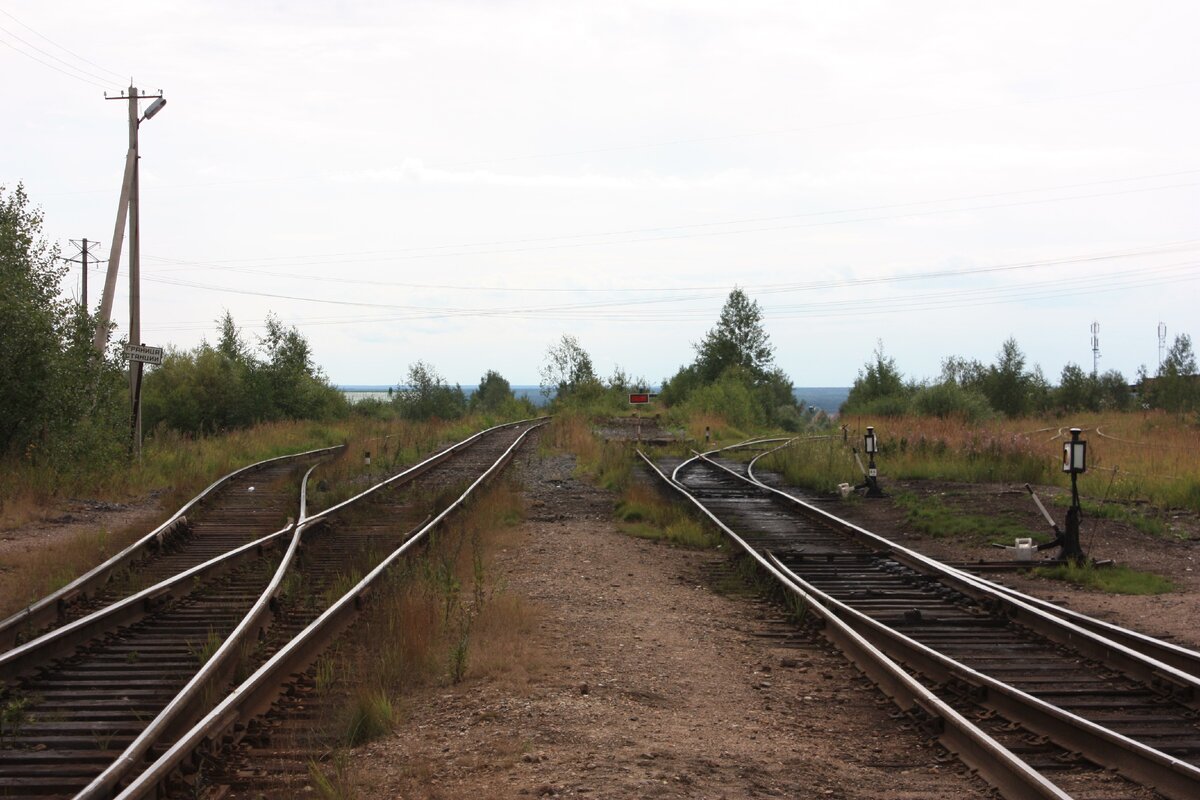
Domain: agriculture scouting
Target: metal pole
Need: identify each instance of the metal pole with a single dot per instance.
(135, 292)
(83, 261)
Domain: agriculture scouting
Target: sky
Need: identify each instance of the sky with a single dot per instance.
(464, 182)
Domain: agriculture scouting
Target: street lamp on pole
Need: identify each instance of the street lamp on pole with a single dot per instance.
(129, 208)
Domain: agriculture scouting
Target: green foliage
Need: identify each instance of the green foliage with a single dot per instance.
(1176, 387)
(427, 396)
(930, 515)
(731, 397)
(879, 389)
(234, 385)
(737, 340)
(1114, 579)
(370, 715)
(59, 400)
(1081, 391)
(645, 514)
(495, 398)
(733, 376)
(948, 400)
(568, 374)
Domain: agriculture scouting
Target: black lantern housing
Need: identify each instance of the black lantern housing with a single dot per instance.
(870, 441)
(1075, 454)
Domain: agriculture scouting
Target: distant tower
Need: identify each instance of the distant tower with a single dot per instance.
(1162, 342)
(1095, 348)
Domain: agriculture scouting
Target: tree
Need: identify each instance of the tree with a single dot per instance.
(494, 393)
(738, 339)
(1177, 387)
(568, 371)
(879, 387)
(1008, 386)
(57, 397)
(428, 396)
(1077, 390)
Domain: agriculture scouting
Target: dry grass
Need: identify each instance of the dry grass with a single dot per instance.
(1143, 456)
(443, 617)
(181, 466)
(32, 574)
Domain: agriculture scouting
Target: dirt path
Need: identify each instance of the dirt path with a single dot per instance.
(650, 684)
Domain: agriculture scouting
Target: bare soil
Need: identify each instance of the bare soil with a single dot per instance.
(652, 684)
(76, 517)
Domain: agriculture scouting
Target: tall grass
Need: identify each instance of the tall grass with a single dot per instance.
(1143, 456)
(608, 464)
(643, 512)
(179, 465)
(442, 617)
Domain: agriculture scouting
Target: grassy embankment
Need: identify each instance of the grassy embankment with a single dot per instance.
(178, 468)
(1144, 458)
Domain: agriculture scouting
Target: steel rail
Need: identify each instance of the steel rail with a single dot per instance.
(217, 666)
(1054, 627)
(31, 655)
(258, 691)
(1141, 763)
(49, 608)
(997, 765)
(1182, 658)
(185, 704)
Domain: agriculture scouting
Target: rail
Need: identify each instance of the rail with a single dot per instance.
(48, 609)
(257, 692)
(1178, 658)
(1002, 769)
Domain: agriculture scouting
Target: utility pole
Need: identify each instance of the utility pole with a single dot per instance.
(128, 208)
(1162, 342)
(84, 258)
(1095, 348)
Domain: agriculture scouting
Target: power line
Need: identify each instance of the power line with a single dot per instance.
(117, 75)
(232, 263)
(583, 308)
(51, 66)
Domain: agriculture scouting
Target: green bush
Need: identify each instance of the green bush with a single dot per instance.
(949, 400)
(233, 385)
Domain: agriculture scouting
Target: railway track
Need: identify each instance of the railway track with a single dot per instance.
(80, 725)
(1095, 711)
(244, 505)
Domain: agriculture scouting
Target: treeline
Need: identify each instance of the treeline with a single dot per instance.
(59, 400)
(733, 376)
(235, 384)
(65, 407)
(974, 391)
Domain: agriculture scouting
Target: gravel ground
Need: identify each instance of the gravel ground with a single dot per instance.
(651, 684)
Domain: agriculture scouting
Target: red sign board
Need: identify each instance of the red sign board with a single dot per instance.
(639, 399)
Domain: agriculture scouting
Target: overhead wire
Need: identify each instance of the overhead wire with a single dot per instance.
(117, 75)
(1139, 275)
(186, 264)
(51, 66)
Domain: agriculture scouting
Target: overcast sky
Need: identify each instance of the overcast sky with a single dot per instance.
(463, 182)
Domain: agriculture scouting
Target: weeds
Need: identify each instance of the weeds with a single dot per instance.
(14, 714)
(338, 783)
(207, 648)
(371, 715)
(1114, 579)
(931, 516)
(644, 513)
